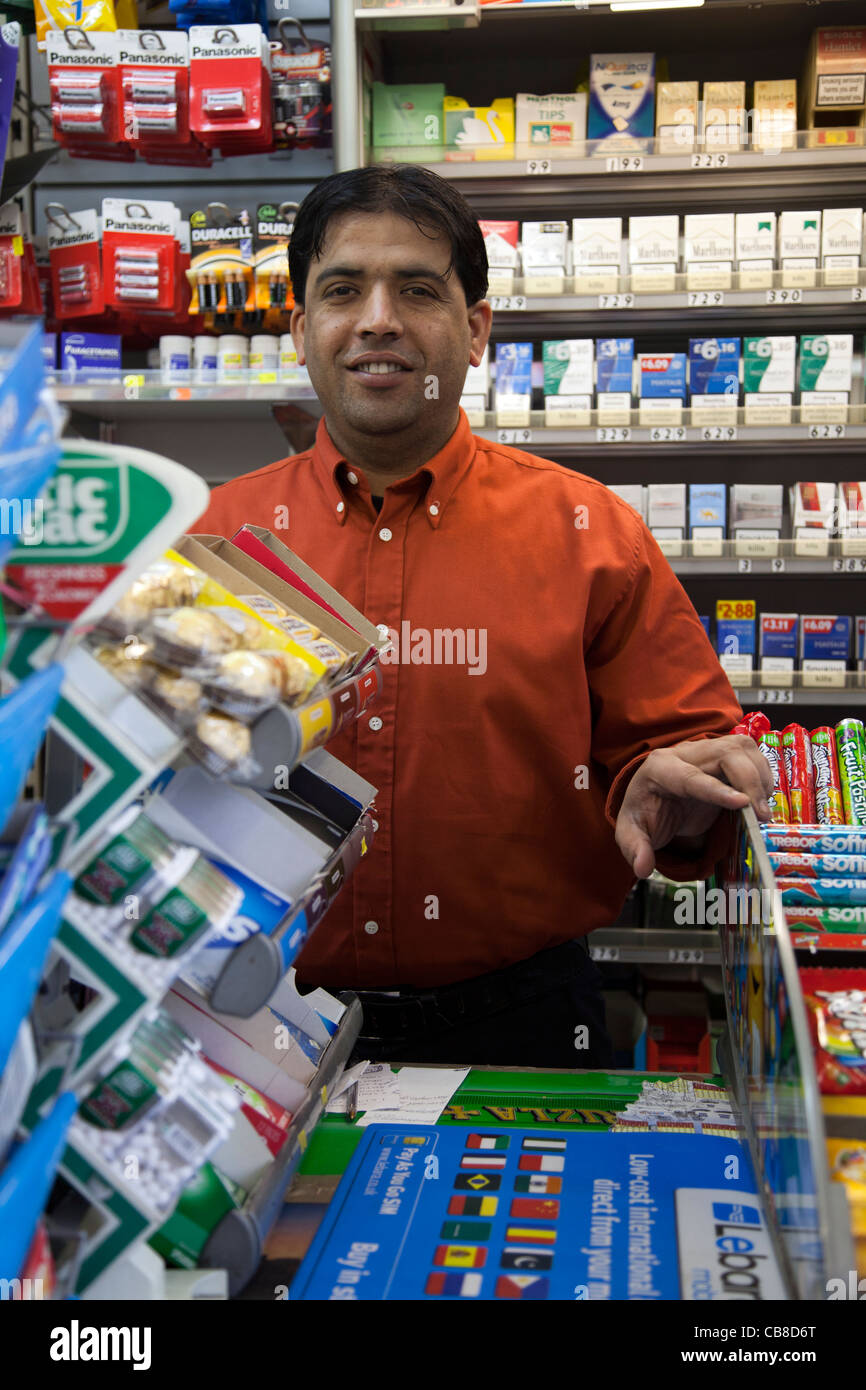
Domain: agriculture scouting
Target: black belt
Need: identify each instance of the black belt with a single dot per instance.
(431, 1011)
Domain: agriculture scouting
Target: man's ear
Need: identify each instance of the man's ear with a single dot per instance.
(480, 322)
(296, 327)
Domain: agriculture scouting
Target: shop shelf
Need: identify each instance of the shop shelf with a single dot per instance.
(844, 559)
(850, 696)
(655, 946)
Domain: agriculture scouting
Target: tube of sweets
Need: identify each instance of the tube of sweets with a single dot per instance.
(851, 751)
(798, 766)
(753, 724)
(770, 745)
(825, 770)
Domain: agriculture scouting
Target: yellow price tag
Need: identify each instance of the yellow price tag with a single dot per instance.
(302, 1140)
(324, 1095)
(728, 610)
(17, 246)
(133, 380)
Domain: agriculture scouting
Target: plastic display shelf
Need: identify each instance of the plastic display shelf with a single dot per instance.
(655, 946)
(850, 696)
(555, 441)
(147, 396)
(844, 559)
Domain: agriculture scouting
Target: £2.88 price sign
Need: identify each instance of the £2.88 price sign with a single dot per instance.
(730, 610)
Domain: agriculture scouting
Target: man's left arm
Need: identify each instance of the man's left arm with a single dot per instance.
(663, 708)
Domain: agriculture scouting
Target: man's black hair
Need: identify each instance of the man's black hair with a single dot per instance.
(417, 194)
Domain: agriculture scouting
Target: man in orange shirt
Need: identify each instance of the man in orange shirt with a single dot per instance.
(553, 721)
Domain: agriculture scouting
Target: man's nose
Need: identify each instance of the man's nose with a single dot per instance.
(380, 312)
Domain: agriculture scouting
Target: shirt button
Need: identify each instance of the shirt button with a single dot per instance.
(341, 506)
(382, 629)
(375, 723)
(375, 825)
(384, 534)
(433, 509)
(353, 477)
(371, 928)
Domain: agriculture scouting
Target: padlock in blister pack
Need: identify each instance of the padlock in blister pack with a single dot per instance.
(154, 79)
(84, 81)
(301, 88)
(76, 262)
(230, 88)
(139, 253)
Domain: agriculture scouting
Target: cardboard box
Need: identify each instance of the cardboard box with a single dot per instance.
(757, 507)
(735, 629)
(597, 254)
(813, 509)
(486, 132)
(500, 243)
(663, 376)
(676, 117)
(723, 124)
(408, 115)
(551, 120)
(825, 637)
(780, 638)
(614, 365)
(826, 361)
(709, 237)
(708, 510)
(633, 493)
(768, 364)
(568, 380)
(774, 123)
(841, 245)
(835, 77)
(666, 507)
(621, 99)
(755, 238)
(851, 503)
(654, 240)
(264, 547)
(544, 245)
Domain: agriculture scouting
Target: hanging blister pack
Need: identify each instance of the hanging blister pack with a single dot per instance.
(273, 233)
(76, 262)
(106, 15)
(221, 272)
(84, 81)
(139, 253)
(230, 87)
(11, 257)
(300, 83)
(154, 78)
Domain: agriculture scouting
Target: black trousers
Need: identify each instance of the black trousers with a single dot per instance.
(545, 1012)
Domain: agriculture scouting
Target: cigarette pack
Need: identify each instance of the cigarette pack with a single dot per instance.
(724, 115)
(407, 115)
(568, 366)
(768, 364)
(755, 249)
(851, 504)
(860, 642)
(545, 248)
(654, 240)
(826, 361)
(709, 236)
(513, 383)
(707, 509)
(812, 508)
(799, 247)
(676, 117)
(836, 70)
(614, 365)
(597, 253)
(825, 637)
(481, 132)
(633, 493)
(663, 376)
(476, 389)
(500, 243)
(735, 632)
(757, 507)
(780, 636)
(666, 508)
(774, 120)
(550, 120)
(714, 367)
(621, 99)
(841, 245)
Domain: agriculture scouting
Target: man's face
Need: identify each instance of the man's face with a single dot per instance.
(386, 332)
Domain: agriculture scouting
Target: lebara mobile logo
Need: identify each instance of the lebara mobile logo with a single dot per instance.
(724, 1248)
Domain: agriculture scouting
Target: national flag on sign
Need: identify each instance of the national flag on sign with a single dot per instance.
(460, 1256)
(522, 1286)
(487, 1141)
(538, 1182)
(482, 1161)
(542, 1163)
(535, 1207)
(531, 1235)
(473, 1206)
(525, 1257)
(477, 1182)
(441, 1285)
(466, 1230)
(545, 1145)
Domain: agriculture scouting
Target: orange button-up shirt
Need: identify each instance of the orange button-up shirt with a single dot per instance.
(542, 647)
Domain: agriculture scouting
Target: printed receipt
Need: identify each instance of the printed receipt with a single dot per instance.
(378, 1088)
(424, 1093)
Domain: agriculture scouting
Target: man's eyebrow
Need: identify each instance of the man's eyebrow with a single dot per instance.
(417, 272)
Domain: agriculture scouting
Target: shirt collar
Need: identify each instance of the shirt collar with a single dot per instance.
(442, 473)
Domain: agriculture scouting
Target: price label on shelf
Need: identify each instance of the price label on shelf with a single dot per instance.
(686, 955)
(616, 301)
(604, 952)
(514, 436)
(511, 302)
(825, 432)
(744, 567)
(624, 163)
(774, 697)
(784, 296)
(717, 160)
(718, 434)
(706, 299)
(858, 294)
(850, 564)
(539, 166)
(667, 434)
(777, 565)
(613, 434)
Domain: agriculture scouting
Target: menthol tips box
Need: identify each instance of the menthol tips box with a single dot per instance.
(663, 375)
(714, 366)
(568, 366)
(768, 364)
(826, 361)
(621, 97)
(614, 364)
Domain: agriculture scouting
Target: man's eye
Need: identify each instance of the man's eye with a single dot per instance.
(340, 290)
(420, 290)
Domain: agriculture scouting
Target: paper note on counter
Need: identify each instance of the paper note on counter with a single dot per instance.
(378, 1089)
(424, 1093)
